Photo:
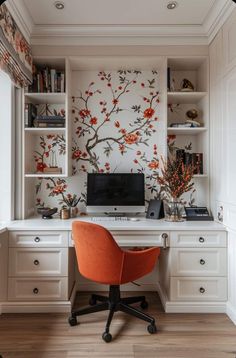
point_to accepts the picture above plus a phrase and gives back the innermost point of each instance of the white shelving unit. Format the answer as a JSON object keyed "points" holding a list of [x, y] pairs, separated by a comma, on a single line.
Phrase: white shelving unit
{"points": [[32, 135], [195, 69]]}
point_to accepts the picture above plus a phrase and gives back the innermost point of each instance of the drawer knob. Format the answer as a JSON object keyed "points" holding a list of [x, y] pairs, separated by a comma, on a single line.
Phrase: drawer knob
{"points": [[201, 239], [202, 262], [37, 239], [202, 290], [36, 262], [35, 290]]}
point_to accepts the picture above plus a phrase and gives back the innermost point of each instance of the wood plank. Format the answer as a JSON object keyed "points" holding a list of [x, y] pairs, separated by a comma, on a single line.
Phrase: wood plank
{"points": [[179, 335]]}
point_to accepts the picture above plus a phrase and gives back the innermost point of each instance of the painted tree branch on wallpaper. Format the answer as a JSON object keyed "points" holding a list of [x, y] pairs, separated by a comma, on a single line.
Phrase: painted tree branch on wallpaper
{"points": [[125, 138], [116, 128]]}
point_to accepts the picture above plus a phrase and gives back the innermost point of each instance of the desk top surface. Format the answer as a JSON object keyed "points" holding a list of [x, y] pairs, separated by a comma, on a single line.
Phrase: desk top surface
{"points": [[129, 225]]}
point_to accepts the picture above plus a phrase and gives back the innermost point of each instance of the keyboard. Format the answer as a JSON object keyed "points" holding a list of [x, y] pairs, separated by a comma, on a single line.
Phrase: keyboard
{"points": [[109, 218]]}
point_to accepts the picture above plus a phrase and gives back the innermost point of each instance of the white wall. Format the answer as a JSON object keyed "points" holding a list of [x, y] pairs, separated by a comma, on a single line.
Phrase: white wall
{"points": [[6, 165], [223, 141]]}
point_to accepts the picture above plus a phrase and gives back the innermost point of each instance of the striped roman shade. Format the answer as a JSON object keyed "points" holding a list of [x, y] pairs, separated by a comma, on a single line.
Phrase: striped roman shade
{"points": [[15, 51]]}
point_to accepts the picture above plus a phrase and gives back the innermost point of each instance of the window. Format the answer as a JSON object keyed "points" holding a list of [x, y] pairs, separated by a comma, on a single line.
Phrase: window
{"points": [[6, 148]]}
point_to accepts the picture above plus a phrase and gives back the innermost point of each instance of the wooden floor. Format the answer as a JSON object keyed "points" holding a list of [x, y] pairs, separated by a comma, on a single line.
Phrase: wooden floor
{"points": [[179, 335]]}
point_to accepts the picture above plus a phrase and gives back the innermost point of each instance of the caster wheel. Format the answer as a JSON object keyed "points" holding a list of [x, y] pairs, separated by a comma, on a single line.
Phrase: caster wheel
{"points": [[144, 305], [152, 328], [92, 301], [72, 321], [107, 337]]}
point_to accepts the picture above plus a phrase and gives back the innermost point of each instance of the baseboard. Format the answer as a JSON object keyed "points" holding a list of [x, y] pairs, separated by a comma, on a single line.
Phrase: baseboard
{"points": [[189, 307], [90, 286], [195, 307], [36, 307], [231, 312]]}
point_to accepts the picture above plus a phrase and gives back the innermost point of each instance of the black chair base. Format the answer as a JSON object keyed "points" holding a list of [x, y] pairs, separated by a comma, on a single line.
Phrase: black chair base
{"points": [[115, 303]]}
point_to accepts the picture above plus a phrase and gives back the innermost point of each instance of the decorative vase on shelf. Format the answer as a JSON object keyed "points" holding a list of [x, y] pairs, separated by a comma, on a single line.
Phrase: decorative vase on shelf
{"points": [[174, 209]]}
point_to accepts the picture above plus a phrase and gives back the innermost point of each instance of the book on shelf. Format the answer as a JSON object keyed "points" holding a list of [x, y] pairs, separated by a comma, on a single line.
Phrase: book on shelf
{"points": [[197, 162], [47, 80], [30, 113], [184, 125], [50, 118], [49, 125], [168, 79], [194, 159], [49, 121]]}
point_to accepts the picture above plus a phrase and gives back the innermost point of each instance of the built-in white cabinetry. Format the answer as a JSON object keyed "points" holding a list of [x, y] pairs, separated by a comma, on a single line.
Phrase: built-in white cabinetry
{"points": [[3, 265], [37, 270], [41, 266], [194, 268]]}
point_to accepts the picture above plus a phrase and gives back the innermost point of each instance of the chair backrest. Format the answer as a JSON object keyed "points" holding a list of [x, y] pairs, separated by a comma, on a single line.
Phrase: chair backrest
{"points": [[99, 257]]}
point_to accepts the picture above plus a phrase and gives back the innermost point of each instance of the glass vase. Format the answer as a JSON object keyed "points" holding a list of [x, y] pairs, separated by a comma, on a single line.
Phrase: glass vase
{"points": [[174, 210]]}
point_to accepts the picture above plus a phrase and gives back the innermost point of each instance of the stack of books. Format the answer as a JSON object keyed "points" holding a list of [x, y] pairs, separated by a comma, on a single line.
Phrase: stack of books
{"points": [[195, 159], [30, 114], [47, 80], [49, 121], [189, 124]]}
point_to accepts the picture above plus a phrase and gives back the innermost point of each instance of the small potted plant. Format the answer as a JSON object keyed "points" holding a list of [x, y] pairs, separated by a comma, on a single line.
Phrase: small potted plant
{"points": [[175, 180], [71, 201]]}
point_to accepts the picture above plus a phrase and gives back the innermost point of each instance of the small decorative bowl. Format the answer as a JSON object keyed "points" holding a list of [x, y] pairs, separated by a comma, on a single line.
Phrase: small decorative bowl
{"points": [[46, 212]]}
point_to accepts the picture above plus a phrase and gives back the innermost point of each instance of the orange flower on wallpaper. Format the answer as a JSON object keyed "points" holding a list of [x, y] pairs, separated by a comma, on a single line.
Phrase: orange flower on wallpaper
{"points": [[131, 138], [154, 164], [93, 120], [84, 113], [148, 113]]}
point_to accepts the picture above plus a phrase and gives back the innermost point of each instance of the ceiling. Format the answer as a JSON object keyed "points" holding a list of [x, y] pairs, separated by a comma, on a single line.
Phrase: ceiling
{"points": [[119, 12], [119, 18]]}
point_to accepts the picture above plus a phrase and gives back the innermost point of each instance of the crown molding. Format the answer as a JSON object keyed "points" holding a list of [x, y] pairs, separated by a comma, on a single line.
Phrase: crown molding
{"points": [[121, 35], [217, 17], [77, 35], [22, 17]]}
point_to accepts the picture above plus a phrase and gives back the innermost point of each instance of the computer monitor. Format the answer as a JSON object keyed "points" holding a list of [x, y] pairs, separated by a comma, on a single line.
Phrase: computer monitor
{"points": [[115, 193]]}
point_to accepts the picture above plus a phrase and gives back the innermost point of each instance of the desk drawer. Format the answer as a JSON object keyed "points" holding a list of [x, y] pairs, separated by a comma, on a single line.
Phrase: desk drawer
{"points": [[198, 289], [38, 262], [198, 239], [38, 239], [199, 262], [139, 238], [35, 289]]}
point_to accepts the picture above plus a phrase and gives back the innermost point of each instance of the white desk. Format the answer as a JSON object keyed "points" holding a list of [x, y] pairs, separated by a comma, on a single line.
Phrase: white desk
{"points": [[39, 270]]}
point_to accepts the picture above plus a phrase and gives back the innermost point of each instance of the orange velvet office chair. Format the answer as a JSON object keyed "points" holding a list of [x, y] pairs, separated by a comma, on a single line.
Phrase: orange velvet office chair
{"points": [[100, 259]]}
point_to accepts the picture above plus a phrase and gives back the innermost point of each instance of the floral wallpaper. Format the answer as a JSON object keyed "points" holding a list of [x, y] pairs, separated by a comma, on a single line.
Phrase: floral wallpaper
{"points": [[15, 51], [117, 127]]}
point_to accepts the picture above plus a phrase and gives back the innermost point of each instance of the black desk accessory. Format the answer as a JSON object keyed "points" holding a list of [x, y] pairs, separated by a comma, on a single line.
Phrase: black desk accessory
{"points": [[155, 209], [198, 214], [47, 212]]}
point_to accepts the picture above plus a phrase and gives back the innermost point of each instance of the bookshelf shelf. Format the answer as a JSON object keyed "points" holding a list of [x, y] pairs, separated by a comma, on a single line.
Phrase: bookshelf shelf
{"points": [[44, 131], [43, 98], [185, 97], [186, 131], [45, 175]]}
